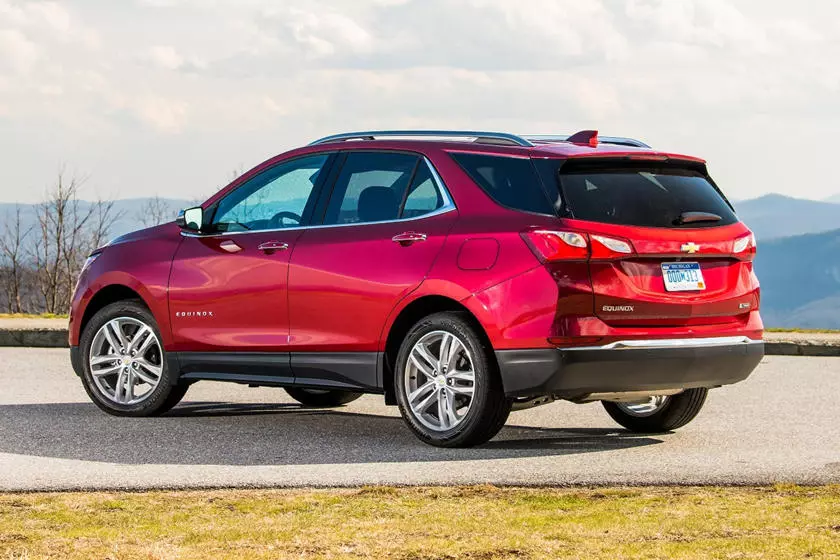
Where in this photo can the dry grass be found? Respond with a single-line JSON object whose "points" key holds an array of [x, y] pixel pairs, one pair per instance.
{"points": [[426, 523], [34, 316]]}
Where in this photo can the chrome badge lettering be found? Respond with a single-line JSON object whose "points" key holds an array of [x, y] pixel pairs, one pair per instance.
{"points": [[194, 314], [618, 308]]}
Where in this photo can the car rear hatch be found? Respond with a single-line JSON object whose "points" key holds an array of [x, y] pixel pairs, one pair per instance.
{"points": [[664, 246]]}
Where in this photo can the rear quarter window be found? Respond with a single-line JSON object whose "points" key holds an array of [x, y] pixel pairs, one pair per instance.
{"points": [[642, 196], [511, 182]]}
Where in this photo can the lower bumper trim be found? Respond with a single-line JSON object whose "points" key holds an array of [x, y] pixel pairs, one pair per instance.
{"points": [[646, 366]]}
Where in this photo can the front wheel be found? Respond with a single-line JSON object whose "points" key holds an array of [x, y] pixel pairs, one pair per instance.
{"points": [[447, 383], [658, 414], [124, 366], [321, 397]]}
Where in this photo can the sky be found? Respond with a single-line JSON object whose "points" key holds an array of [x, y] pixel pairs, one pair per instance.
{"points": [[172, 97]]}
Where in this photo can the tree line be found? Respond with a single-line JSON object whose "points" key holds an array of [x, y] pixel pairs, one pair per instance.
{"points": [[41, 258]]}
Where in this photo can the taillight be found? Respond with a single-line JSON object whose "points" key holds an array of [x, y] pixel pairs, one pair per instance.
{"points": [[551, 245], [609, 247], [745, 247]]}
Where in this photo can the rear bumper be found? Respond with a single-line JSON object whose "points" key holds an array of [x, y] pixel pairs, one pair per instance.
{"points": [[638, 365]]}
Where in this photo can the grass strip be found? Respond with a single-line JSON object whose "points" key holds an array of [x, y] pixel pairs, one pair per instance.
{"points": [[426, 523]]}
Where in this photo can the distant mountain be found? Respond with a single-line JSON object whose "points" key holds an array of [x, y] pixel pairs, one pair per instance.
{"points": [[800, 281], [129, 211], [774, 216], [835, 198]]}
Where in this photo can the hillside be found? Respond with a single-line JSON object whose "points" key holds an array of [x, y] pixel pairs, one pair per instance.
{"points": [[129, 212], [800, 281], [774, 216]]}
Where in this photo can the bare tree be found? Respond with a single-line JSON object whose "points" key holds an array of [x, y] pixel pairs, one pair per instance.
{"points": [[12, 251], [67, 230], [154, 212]]}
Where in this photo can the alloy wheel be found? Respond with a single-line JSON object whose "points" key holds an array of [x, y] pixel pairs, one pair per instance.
{"points": [[126, 360], [439, 380], [647, 407]]}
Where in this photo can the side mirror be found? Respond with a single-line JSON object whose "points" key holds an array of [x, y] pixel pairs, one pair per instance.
{"points": [[190, 219]]}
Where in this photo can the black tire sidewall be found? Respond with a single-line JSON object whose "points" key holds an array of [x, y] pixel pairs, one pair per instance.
{"points": [[678, 411], [158, 401], [487, 387]]}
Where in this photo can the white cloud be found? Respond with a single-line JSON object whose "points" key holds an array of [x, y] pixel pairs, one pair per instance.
{"points": [[197, 87]]}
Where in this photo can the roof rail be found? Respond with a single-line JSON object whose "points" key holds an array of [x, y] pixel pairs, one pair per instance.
{"points": [[617, 140], [501, 138]]}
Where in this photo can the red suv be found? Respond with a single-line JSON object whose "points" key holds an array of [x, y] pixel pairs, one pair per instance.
{"points": [[461, 274]]}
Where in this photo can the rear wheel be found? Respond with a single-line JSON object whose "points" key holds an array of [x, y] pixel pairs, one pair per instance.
{"points": [[124, 366], [658, 414], [322, 397], [447, 384]]}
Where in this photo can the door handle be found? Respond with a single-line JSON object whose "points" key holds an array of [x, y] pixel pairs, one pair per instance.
{"points": [[271, 246], [230, 246], [407, 238]]}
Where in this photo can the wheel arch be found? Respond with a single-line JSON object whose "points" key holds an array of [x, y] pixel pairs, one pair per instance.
{"points": [[105, 296], [412, 312]]}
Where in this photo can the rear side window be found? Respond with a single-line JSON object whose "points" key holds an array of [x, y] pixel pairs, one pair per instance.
{"points": [[511, 182], [370, 187], [662, 197]]}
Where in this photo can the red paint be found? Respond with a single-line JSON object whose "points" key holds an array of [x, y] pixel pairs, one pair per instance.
{"points": [[342, 288]]}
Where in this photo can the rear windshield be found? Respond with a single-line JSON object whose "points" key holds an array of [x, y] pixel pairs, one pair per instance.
{"points": [[664, 197]]}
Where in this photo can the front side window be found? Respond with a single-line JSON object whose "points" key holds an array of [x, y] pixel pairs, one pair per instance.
{"points": [[277, 198], [371, 187]]}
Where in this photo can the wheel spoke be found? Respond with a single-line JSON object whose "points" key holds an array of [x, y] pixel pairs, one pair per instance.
{"points": [[421, 351], [150, 367], [129, 386], [119, 386], [461, 375], [116, 328], [446, 343], [450, 408], [421, 366], [105, 371], [451, 357], [421, 408], [109, 336], [99, 360], [420, 392], [141, 340], [462, 390], [142, 376]]}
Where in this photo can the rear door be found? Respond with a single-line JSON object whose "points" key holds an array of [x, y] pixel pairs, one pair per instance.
{"points": [[667, 248], [385, 222]]}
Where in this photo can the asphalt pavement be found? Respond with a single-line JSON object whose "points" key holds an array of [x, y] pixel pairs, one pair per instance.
{"points": [[781, 425]]}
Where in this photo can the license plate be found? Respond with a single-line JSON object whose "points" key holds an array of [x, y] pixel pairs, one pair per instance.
{"points": [[683, 277]]}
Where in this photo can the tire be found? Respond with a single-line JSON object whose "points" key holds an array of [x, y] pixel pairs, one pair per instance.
{"points": [[322, 398], [129, 316], [447, 384], [675, 412]]}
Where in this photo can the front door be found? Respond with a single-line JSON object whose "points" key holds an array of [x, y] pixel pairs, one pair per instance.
{"points": [[384, 225], [228, 288]]}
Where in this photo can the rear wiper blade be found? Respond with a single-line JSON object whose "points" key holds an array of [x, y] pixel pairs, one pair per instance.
{"points": [[696, 218]]}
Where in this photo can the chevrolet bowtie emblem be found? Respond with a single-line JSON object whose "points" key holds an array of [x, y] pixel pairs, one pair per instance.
{"points": [[690, 248]]}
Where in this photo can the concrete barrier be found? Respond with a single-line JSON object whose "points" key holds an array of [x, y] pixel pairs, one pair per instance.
{"points": [[52, 333]]}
